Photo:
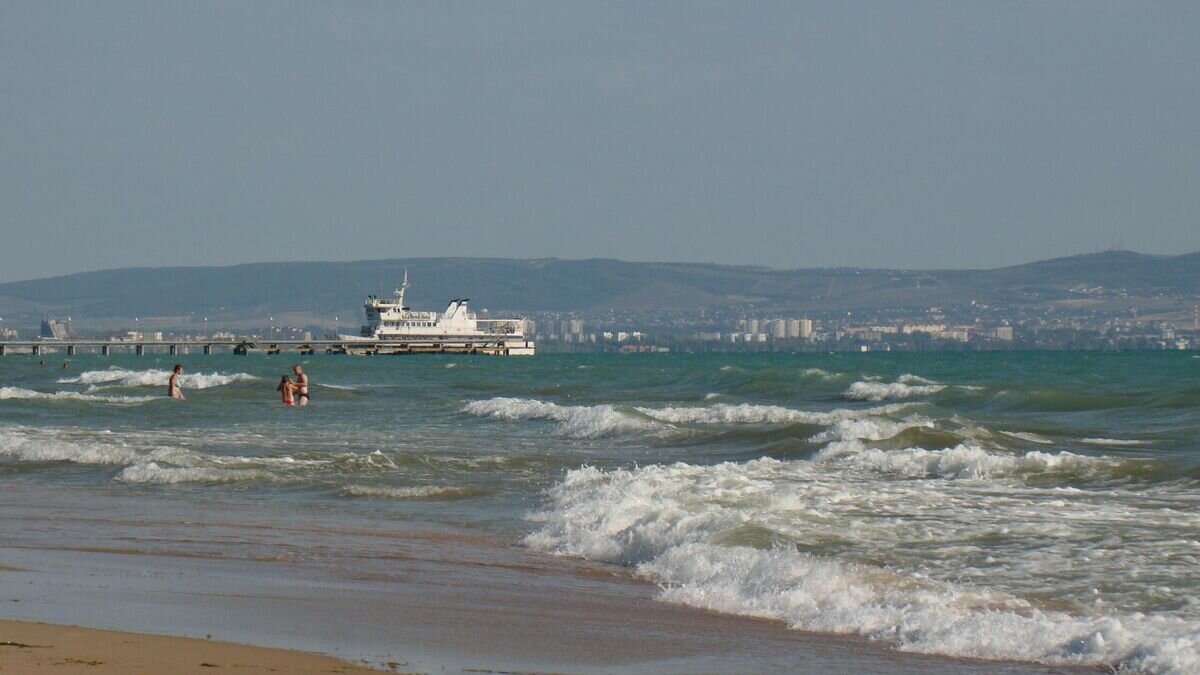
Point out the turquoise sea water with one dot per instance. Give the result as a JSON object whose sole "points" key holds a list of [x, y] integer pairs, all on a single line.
{"points": [[1041, 506]]}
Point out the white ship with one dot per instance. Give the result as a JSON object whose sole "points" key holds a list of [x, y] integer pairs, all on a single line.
{"points": [[390, 323]]}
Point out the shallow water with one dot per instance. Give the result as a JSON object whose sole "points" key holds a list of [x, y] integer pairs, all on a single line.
{"points": [[1039, 506]]}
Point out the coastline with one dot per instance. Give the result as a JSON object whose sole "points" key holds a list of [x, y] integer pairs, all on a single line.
{"points": [[424, 599]]}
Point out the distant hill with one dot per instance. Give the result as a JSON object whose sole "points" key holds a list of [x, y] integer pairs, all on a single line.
{"points": [[328, 288]]}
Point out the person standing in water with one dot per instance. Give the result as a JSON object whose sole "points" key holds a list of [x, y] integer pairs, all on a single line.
{"points": [[301, 384], [173, 389], [288, 389]]}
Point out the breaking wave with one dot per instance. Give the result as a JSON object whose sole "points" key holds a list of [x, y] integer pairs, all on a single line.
{"points": [[18, 393], [761, 539], [119, 377], [154, 473], [1115, 442], [960, 462], [423, 492], [906, 386], [34, 447], [608, 420], [577, 421]]}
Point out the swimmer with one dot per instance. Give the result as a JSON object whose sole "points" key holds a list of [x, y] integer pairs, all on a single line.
{"points": [[301, 384], [173, 389], [288, 389]]}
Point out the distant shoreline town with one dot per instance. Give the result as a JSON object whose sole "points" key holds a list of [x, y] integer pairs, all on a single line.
{"points": [[1111, 300], [974, 328]]}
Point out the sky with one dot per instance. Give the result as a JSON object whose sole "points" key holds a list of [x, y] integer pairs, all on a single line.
{"points": [[794, 134]]}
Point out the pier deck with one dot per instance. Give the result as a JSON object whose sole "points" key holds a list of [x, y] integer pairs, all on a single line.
{"points": [[494, 347]]}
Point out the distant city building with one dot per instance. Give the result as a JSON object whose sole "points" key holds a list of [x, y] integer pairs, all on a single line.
{"points": [[54, 330], [959, 334], [1002, 333], [750, 325]]}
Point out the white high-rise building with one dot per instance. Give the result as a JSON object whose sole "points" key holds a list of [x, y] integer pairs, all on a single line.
{"points": [[804, 328]]}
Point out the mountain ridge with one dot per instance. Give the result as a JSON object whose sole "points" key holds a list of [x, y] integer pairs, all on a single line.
{"points": [[588, 285]]}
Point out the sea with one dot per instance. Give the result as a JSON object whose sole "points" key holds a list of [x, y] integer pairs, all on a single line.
{"points": [[1027, 506]]}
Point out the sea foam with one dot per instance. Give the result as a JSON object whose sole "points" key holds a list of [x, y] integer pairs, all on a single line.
{"points": [[576, 421], [961, 462], [120, 377], [19, 393], [608, 420], [867, 390], [421, 492], [671, 523], [36, 446]]}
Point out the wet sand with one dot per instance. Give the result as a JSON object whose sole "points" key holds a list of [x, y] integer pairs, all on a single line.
{"points": [[380, 592], [67, 650]]}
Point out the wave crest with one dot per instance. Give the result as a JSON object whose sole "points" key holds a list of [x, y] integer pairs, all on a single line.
{"points": [[670, 522], [421, 492], [120, 377], [867, 390], [19, 393]]}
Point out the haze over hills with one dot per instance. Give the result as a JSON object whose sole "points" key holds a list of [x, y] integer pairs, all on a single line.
{"points": [[325, 289]]}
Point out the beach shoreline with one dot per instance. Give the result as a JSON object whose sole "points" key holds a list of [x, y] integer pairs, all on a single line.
{"points": [[422, 599]]}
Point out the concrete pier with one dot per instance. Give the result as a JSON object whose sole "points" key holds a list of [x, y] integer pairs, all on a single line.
{"points": [[494, 347]]}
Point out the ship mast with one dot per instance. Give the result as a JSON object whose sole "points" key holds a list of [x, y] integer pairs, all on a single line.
{"points": [[400, 291]]}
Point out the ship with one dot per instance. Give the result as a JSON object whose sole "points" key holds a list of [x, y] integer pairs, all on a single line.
{"points": [[393, 327]]}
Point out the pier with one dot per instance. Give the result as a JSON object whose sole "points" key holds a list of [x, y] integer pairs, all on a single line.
{"points": [[75, 347]]}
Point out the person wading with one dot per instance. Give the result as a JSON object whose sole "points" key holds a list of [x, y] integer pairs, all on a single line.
{"points": [[301, 384], [173, 389], [288, 389]]}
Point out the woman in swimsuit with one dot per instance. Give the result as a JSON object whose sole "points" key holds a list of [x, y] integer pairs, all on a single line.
{"points": [[288, 389]]}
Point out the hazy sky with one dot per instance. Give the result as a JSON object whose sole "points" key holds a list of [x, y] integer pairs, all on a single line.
{"points": [[793, 134]]}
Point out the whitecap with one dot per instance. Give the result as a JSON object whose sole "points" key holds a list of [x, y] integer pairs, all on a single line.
{"points": [[576, 421], [430, 492], [668, 523], [119, 377], [864, 390], [1116, 442], [154, 473], [748, 413], [960, 462], [1029, 437], [608, 420], [39, 446], [18, 393]]}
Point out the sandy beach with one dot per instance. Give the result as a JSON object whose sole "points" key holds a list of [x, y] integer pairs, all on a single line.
{"points": [[392, 596], [69, 650]]}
